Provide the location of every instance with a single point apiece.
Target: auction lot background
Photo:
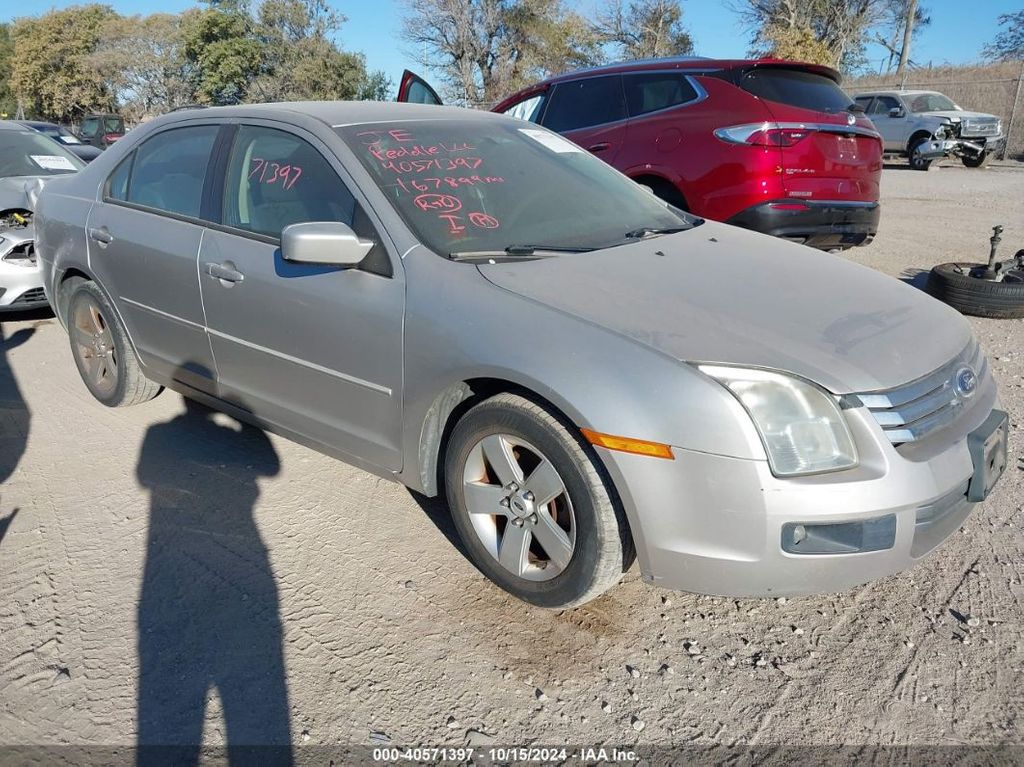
(306, 600)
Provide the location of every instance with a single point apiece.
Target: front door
(893, 129)
(314, 349)
(144, 239)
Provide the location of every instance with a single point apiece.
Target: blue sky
(956, 35)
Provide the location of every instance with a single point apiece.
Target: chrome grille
(911, 412)
(979, 128)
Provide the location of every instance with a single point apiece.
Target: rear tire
(494, 463)
(99, 344)
(952, 284)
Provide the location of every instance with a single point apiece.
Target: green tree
(8, 101)
(223, 53)
(1008, 45)
(51, 72)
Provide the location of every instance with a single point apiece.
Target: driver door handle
(224, 272)
(599, 147)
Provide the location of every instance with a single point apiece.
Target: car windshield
(932, 102)
(492, 185)
(57, 132)
(27, 153)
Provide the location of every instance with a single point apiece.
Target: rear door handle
(599, 147)
(101, 235)
(224, 272)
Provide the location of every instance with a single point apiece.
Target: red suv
(770, 145)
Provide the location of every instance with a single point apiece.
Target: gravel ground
(163, 570)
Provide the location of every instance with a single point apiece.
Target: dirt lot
(153, 559)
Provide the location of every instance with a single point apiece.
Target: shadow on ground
(208, 615)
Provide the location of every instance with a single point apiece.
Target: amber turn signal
(628, 444)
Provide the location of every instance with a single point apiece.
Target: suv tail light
(764, 134)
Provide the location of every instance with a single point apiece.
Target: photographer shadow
(208, 613)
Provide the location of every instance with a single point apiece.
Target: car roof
(694, 63)
(892, 93)
(13, 125)
(334, 113)
(36, 124)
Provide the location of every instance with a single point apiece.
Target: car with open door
(475, 306)
(769, 145)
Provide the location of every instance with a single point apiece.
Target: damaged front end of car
(20, 280)
(968, 139)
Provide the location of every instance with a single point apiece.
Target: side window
(584, 103)
(170, 168)
(864, 102)
(117, 184)
(527, 109)
(275, 179)
(651, 92)
(882, 106)
(89, 127)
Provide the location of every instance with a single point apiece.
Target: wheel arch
(664, 187)
(451, 404)
(63, 295)
(917, 135)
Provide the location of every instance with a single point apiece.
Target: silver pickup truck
(925, 126)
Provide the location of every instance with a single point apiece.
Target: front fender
(598, 379)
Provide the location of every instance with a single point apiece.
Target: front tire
(917, 162)
(99, 344)
(533, 507)
(976, 162)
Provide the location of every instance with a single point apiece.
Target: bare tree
(485, 49)
(840, 27)
(644, 29)
(1009, 43)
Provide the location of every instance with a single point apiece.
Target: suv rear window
(796, 88)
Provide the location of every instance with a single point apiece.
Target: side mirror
(323, 242)
(895, 112)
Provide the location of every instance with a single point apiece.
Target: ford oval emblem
(965, 381)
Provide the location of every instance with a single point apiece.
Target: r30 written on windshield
(432, 175)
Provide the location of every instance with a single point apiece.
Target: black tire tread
(979, 298)
(133, 386)
(617, 549)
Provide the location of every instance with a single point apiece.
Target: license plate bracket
(989, 453)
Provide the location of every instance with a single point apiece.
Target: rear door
(828, 152)
(144, 237)
(590, 112)
(414, 90)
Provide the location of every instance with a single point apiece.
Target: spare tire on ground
(963, 286)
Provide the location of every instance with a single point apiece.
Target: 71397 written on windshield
(462, 186)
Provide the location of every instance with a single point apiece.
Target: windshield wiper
(647, 231)
(516, 251)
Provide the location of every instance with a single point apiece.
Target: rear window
(650, 92)
(796, 88)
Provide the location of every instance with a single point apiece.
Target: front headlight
(801, 425)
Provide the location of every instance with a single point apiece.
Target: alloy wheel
(94, 345)
(519, 507)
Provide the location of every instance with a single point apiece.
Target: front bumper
(960, 147)
(21, 286)
(718, 525)
(825, 224)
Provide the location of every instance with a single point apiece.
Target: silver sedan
(475, 307)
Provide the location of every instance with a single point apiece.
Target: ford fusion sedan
(475, 307)
(26, 159)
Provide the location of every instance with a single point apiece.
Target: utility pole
(908, 34)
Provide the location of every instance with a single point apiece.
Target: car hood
(722, 294)
(953, 114)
